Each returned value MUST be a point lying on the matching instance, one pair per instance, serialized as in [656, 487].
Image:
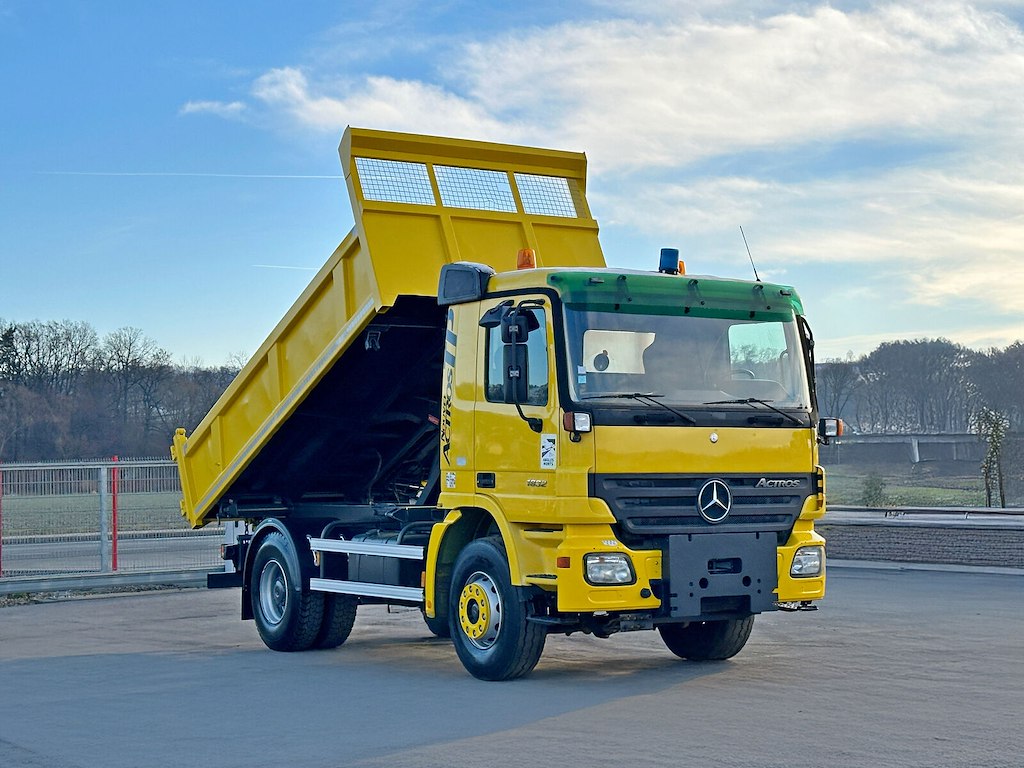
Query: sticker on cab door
[547, 451]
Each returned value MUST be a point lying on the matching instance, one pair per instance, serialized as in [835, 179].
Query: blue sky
[174, 167]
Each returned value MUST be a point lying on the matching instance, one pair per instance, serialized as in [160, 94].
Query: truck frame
[467, 411]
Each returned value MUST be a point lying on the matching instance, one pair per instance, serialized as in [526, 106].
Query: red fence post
[113, 515]
[1, 519]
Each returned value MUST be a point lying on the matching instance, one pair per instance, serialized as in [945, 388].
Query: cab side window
[537, 347]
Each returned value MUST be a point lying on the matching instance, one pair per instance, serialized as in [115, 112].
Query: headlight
[808, 561]
[608, 568]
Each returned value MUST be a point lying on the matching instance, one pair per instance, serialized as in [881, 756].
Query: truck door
[517, 454]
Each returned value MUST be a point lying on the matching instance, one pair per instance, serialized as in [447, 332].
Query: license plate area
[721, 575]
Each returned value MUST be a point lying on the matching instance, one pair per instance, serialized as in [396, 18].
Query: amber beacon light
[527, 259]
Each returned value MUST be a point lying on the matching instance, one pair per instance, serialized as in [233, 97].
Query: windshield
[686, 360]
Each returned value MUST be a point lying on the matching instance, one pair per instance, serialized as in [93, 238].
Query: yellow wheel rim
[480, 610]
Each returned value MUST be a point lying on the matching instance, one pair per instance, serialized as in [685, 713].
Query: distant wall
[923, 544]
[904, 449]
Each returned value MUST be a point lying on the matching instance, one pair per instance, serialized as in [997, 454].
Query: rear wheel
[288, 617]
[488, 618]
[707, 640]
[339, 616]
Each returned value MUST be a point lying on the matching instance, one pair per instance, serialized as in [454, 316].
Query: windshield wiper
[753, 400]
[647, 398]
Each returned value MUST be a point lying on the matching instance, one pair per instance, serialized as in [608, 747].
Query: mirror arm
[535, 424]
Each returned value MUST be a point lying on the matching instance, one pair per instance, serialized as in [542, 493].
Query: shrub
[873, 494]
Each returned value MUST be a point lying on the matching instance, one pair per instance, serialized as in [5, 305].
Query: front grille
[674, 524]
[667, 504]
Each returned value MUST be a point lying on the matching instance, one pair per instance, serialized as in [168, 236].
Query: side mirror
[517, 324]
[492, 317]
[516, 364]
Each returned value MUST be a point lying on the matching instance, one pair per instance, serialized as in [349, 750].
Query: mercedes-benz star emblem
[714, 500]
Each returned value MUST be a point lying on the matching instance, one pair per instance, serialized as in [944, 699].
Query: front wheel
[707, 640]
[438, 625]
[488, 618]
[288, 618]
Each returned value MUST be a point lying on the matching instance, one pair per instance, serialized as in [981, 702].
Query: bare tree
[22, 412]
[47, 356]
[132, 360]
[996, 376]
[918, 386]
[190, 392]
[837, 383]
[73, 349]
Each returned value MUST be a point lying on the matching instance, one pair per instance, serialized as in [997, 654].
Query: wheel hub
[480, 611]
[273, 592]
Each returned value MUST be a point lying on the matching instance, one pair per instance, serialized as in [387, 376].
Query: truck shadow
[623, 665]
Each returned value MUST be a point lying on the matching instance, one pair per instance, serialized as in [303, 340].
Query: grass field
[896, 485]
[893, 485]
[80, 513]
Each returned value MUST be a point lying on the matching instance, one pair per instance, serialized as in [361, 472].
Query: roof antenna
[749, 256]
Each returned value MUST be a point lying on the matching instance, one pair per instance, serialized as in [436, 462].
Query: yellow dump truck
[469, 412]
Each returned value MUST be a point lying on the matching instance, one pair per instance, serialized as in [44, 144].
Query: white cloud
[219, 108]
[651, 93]
[983, 337]
[949, 236]
[660, 100]
[378, 102]
[655, 93]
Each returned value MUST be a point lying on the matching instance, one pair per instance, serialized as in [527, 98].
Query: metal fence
[112, 516]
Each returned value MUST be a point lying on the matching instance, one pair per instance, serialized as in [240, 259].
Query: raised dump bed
[340, 404]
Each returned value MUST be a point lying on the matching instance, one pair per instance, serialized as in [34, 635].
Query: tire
[487, 616]
[707, 640]
[339, 616]
[437, 625]
[287, 616]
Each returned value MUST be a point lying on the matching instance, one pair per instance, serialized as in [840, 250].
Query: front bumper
[576, 595]
[697, 577]
[793, 589]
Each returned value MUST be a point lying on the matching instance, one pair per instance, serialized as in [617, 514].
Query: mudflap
[721, 575]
